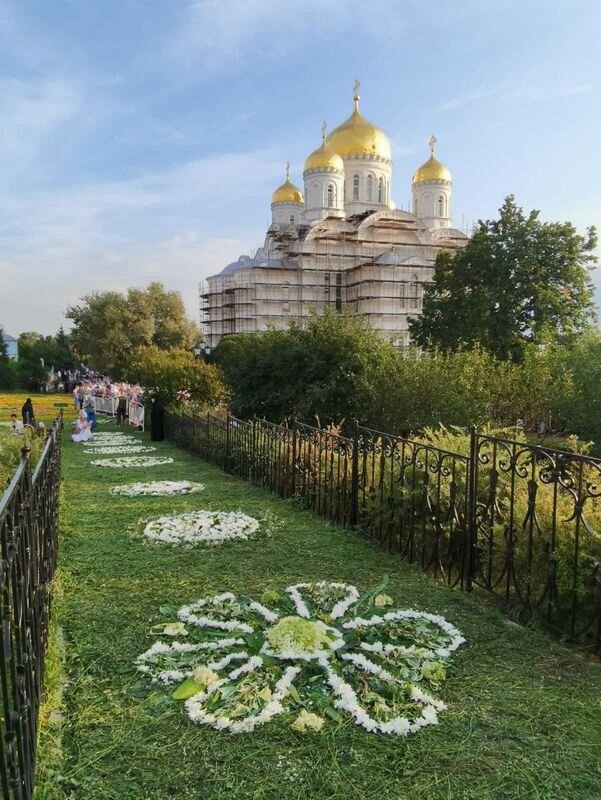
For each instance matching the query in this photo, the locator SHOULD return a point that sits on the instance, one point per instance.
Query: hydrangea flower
(157, 489)
(110, 450)
(318, 651)
(132, 461)
(201, 527)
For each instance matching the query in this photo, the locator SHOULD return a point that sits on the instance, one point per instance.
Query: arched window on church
(381, 190)
(355, 187)
(292, 219)
(331, 196)
(441, 206)
(370, 188)
(415, 206)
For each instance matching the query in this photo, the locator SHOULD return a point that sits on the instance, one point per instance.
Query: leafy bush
(177, 374)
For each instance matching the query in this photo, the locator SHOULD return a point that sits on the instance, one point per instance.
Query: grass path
(524, 718)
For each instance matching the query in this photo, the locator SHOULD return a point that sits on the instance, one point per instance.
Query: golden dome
(325, 157)
(433, 169)
(287, 192)
(358, 137)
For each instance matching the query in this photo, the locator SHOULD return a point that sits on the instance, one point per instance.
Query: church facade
(341, 242)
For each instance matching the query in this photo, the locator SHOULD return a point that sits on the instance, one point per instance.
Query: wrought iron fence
(521, 521)
(28, 536)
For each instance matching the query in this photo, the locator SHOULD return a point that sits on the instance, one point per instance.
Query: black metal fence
(28, 536)
(521, 521)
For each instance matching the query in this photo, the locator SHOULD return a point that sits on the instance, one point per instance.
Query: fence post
(208, 442)
(293, 480)
(354, 516)
(253, 469)
(227, 443)
(471, 523)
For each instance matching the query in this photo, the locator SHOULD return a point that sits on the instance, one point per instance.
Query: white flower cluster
(117, 451)
(126, 462)
(274, 646)
(157, 489)
(201, 527)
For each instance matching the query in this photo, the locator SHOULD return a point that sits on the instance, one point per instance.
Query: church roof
(246, 262)
(6, 336)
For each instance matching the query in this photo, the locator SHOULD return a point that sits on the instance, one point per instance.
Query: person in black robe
(157, 412)
(27, 413)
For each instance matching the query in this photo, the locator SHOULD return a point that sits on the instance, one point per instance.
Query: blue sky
(141, 139)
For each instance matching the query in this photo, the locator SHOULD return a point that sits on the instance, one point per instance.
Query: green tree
(108, 327)
(517, 281)
(176, 374)
(9, 374)
(329, 369)
(580, 409)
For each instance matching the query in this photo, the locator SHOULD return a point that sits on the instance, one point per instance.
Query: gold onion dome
(358, 137)
(433, 169)
(325, 157)
(287, 192)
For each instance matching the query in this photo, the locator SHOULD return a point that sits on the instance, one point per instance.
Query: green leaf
(255, 641)
(187, 689)
(367, 597)
(294, 694)
(331, 712)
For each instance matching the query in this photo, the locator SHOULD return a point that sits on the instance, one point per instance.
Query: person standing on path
(157, 413)
(27, 413)
(121, 408)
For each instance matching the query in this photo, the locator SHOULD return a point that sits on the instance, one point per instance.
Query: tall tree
(177, 374)
(109, 326)
(329, 369)
(518, 280)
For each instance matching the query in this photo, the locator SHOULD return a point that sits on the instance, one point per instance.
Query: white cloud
(62, 243)
(31, 111)
(516, 92)
(216, 36)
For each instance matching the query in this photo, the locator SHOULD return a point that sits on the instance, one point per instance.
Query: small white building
(342, 242)
(12, 345)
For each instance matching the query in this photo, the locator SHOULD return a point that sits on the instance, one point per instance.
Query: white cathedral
(343, 243)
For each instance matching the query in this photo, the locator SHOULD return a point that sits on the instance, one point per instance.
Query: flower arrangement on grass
(122, 450)
(126, 462)
(201, 527)
(157, 489)
(113, 438)
(314, 652)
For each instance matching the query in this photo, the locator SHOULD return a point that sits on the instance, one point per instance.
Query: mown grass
(524, 718)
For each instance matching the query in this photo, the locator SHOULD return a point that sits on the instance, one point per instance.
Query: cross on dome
(287, 170)
(324, 129)
(356, 98)
(432, 143)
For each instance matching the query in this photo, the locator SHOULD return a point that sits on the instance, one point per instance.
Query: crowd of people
(127, 405)
(128, 399)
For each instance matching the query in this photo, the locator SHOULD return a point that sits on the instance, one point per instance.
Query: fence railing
(28, 537)
(521, 521)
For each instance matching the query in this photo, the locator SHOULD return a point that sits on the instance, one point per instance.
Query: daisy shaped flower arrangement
(312, 654)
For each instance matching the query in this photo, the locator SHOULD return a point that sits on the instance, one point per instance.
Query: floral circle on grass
(132, 461)
(110, 441)
(157, 489)
(316, 652)
(201, 527)
(116, 451)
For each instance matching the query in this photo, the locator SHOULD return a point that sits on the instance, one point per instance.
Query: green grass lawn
(524, 718)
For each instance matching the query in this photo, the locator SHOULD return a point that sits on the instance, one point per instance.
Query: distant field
(45, 406)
